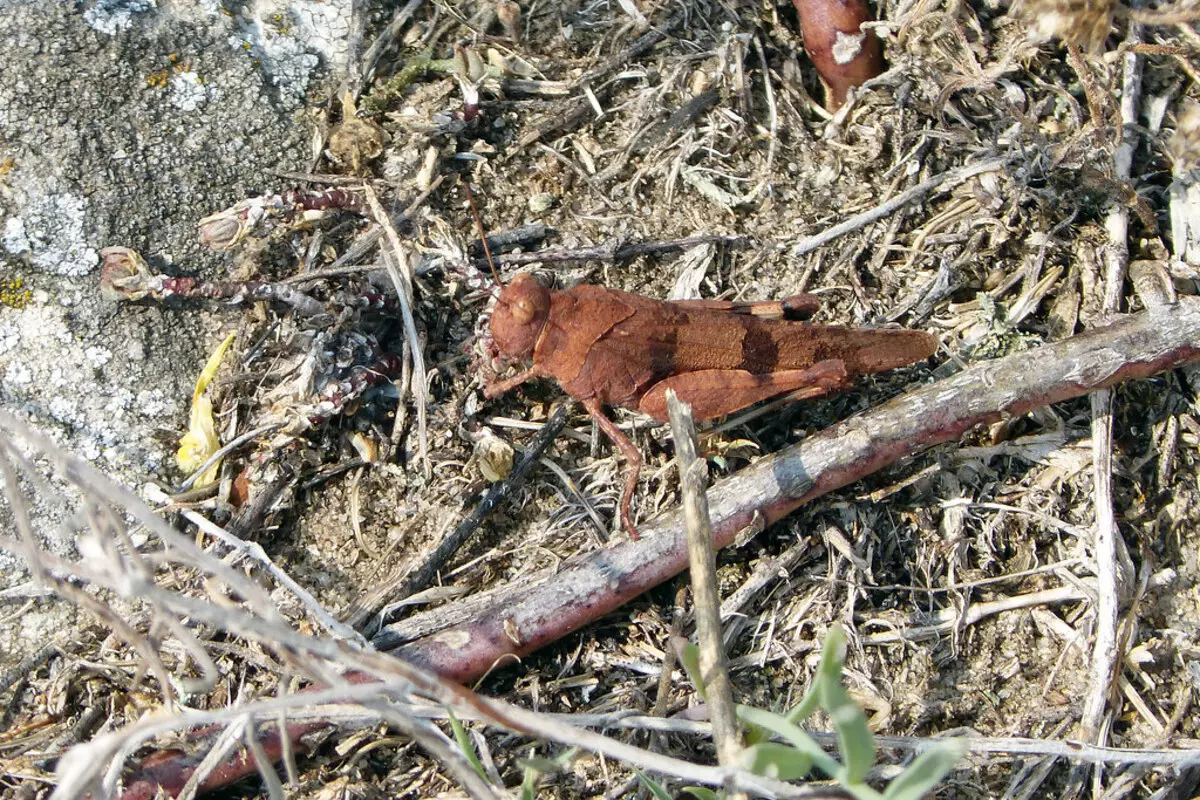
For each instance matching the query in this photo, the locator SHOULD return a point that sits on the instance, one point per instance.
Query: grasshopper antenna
(487, 251)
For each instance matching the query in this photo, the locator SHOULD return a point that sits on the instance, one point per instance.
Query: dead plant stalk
(693, 480)
(1106, 547)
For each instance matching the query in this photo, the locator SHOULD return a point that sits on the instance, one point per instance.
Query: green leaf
(926, 771)
(466, 745)
(774, 760)
(654, 786)
(540, 764)
(833, 655)
(701, 792)
(804, 709)
(529, 784)
(792, 734)
(690, 659)
(856, 742)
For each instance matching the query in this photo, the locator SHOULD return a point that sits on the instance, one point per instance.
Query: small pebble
(542, 202)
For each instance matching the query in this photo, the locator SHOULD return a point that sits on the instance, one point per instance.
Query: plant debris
(988, 187)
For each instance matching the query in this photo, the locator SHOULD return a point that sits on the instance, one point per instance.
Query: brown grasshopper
(610, 348)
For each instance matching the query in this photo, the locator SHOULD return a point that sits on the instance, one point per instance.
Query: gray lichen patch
(112, 16)
(293, 39)
(120, 123)
(49, 232)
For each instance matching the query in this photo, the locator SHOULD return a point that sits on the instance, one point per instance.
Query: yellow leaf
(200, 441)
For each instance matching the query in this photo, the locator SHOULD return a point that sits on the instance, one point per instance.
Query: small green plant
(799, 753)
(465, 744)
(537, 766)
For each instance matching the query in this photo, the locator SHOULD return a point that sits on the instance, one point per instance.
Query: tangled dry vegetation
(996, 189)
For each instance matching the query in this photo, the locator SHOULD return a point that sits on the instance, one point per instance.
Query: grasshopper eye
(523, 311)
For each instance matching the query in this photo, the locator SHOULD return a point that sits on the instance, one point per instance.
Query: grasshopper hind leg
(717, 392)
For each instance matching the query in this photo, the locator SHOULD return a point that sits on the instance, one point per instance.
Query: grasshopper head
(519, 316)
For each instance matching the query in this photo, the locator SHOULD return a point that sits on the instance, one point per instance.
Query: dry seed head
(493, 455)
(1084, 23)
(125, 275)
(355, 142)
(222, 230)
(1184, 144)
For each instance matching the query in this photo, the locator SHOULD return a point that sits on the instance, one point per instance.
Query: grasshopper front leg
(499, 387)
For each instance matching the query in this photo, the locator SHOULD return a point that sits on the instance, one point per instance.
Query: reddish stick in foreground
(610, 348)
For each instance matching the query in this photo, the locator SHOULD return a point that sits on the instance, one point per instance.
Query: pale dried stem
(225, 450)
(1105, 649)
(255, 551)
(399, 268)
(423, 575)
(702, 561)
(858, 221)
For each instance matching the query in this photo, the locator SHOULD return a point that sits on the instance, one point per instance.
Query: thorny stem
(126, 276)
(523, 618)
(226, 229)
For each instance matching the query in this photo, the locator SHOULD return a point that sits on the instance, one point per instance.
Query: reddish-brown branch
(845, 55)
(521, 618)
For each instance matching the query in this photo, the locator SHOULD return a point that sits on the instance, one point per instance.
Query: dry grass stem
(888, 207)
(1106, 546)
(706, 594)
(398, 263)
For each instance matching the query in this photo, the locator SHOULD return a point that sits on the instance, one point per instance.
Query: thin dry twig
(399, 267)
(858, 221)
(702, 560)
(1105, 649)
(614, 251)
(423, 575)
(255, 551)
